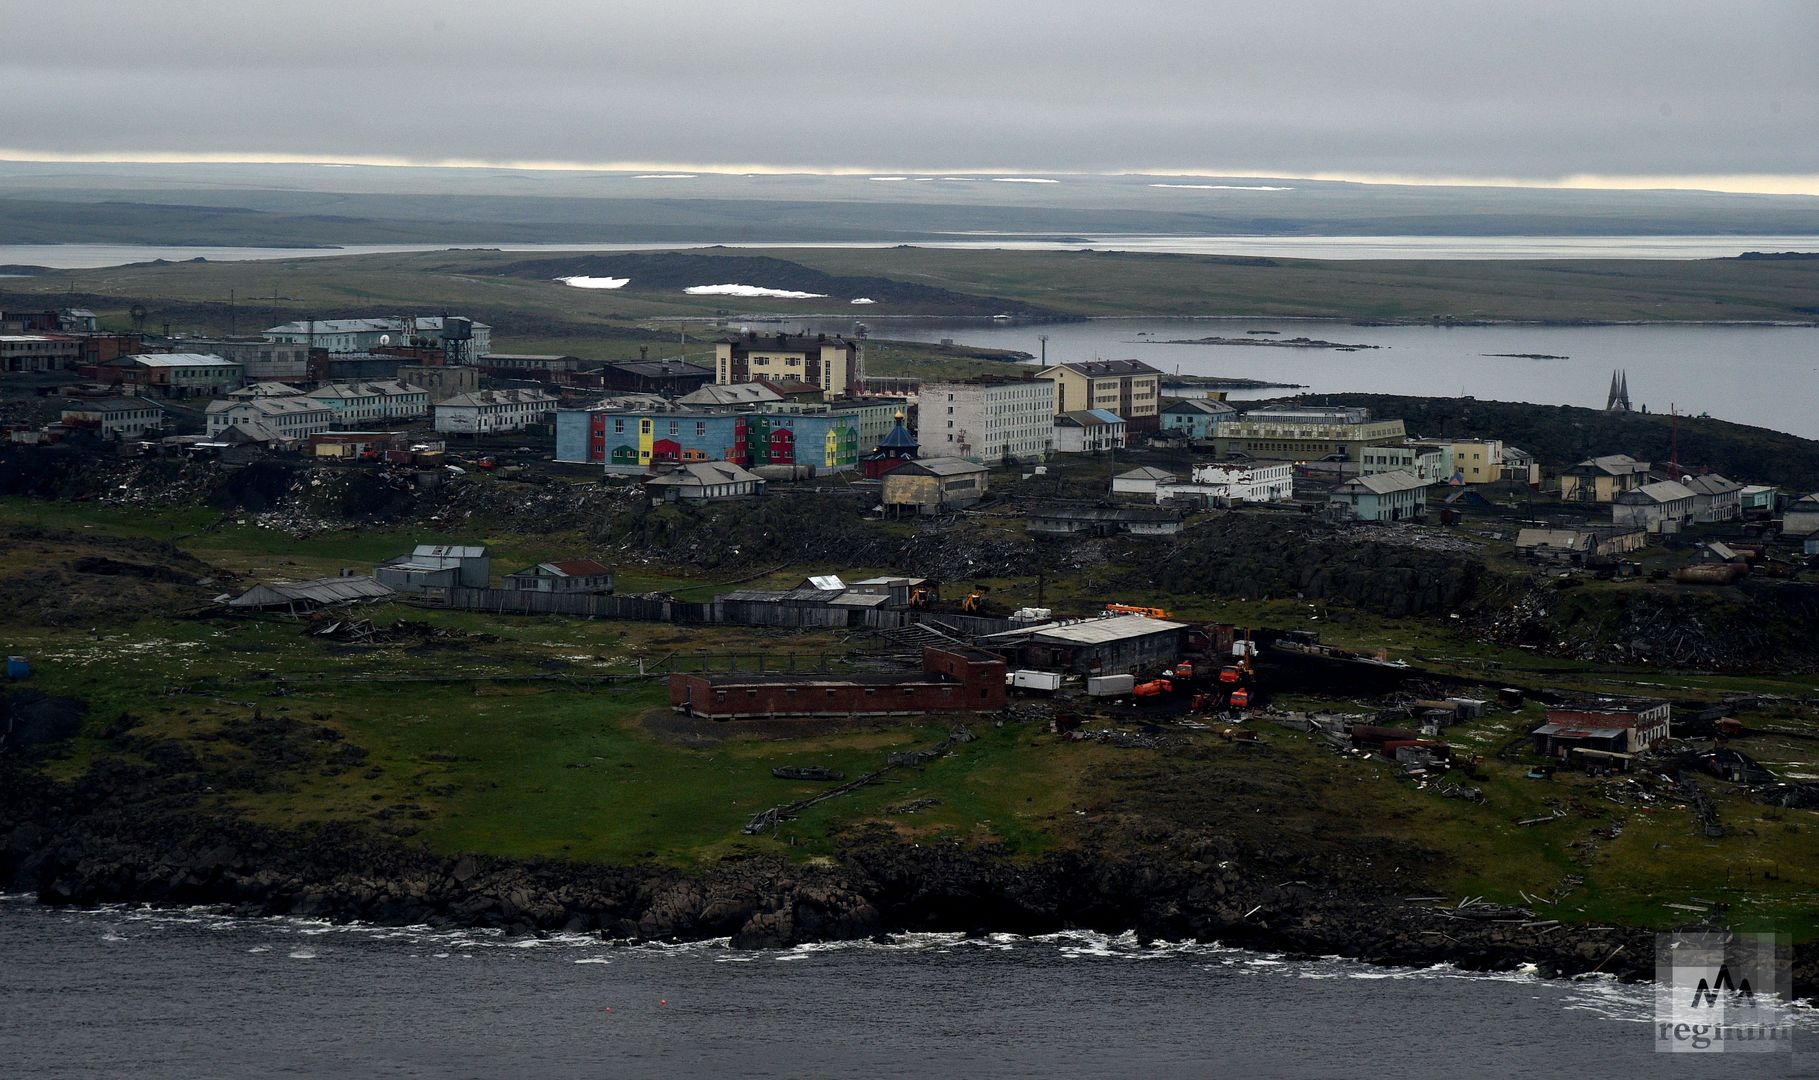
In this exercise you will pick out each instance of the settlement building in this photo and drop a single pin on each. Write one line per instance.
(116, 417)
(1802, 517)
(1141, 482)
(1607, 728)
(1431, 463)
(364, 335)
(1602, 479)
(1287, 433)
(1196, 419)
(289, 418)
(1662, 506)
(634, 440)
(1576, 546)
(932, 485)
(183, 375)
(821, 361)
(1116, 645)
(704, 481)
(990, 420)
(37, 353)
(1128, 388)
(1475, 461)
(1392, 496)
(563, 576)
(493, 411)
(440, 381)
(261, 361)
(1715, 498)
(1089, 431)
(959, 680)
(359, 403)
(437, 566)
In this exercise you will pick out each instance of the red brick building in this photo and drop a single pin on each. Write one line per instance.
(950, 681)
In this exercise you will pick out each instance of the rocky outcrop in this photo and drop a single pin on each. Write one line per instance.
(132, 835)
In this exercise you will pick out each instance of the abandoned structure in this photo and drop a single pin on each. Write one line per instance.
(563, 575)
(968, 680)
(437, 566)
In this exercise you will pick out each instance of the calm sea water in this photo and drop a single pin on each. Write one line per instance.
(1762, 375)
(83, 256)
(183, 994)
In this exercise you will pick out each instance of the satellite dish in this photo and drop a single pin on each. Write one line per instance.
(385, 339)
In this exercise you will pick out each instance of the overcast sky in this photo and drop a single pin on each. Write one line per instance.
(1526, 89)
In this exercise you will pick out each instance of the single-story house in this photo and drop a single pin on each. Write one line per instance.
(1196, 419)
(704, 481)
(563, 576)
(932, 485)
(1104, 520)
(1141, 482)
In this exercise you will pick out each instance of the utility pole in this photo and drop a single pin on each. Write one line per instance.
(233, 324)
(1044, 339)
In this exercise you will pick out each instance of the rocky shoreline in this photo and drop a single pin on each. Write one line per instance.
(125, 834)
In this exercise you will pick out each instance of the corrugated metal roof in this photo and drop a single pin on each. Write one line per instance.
(1093, 631)
(157, 360)
(1384, 483)
(940, 466)
(328, 590)
(449, 551)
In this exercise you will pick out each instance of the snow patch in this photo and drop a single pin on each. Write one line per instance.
(864, 300)
(1022, 180)
(665, 176)
(750, 290)
(887, 179)
(584, 282)
(1224, 187)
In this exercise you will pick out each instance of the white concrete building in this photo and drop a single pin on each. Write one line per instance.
(118, 417)
(290, 418)
(493, 410)
(1226, 482)
(1089, 431)
(988, 421)
(363, 335)
(1141, 482)
(359, 403)
(1662, 506)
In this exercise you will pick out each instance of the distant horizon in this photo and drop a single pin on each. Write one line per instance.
(1796, 185)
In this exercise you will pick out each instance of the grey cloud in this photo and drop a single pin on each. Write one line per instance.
(1531, 89)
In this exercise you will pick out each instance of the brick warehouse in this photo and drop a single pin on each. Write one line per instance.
(956, 681)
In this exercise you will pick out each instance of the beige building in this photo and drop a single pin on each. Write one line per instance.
(1602, 479)
(931, 485)
(443, 381)
(1130, 388)
(1477, 461)
(1306, 434)
(829, 363)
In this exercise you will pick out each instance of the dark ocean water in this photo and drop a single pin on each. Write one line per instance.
(186, 994)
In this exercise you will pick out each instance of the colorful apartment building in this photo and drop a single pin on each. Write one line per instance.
(631, 441)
